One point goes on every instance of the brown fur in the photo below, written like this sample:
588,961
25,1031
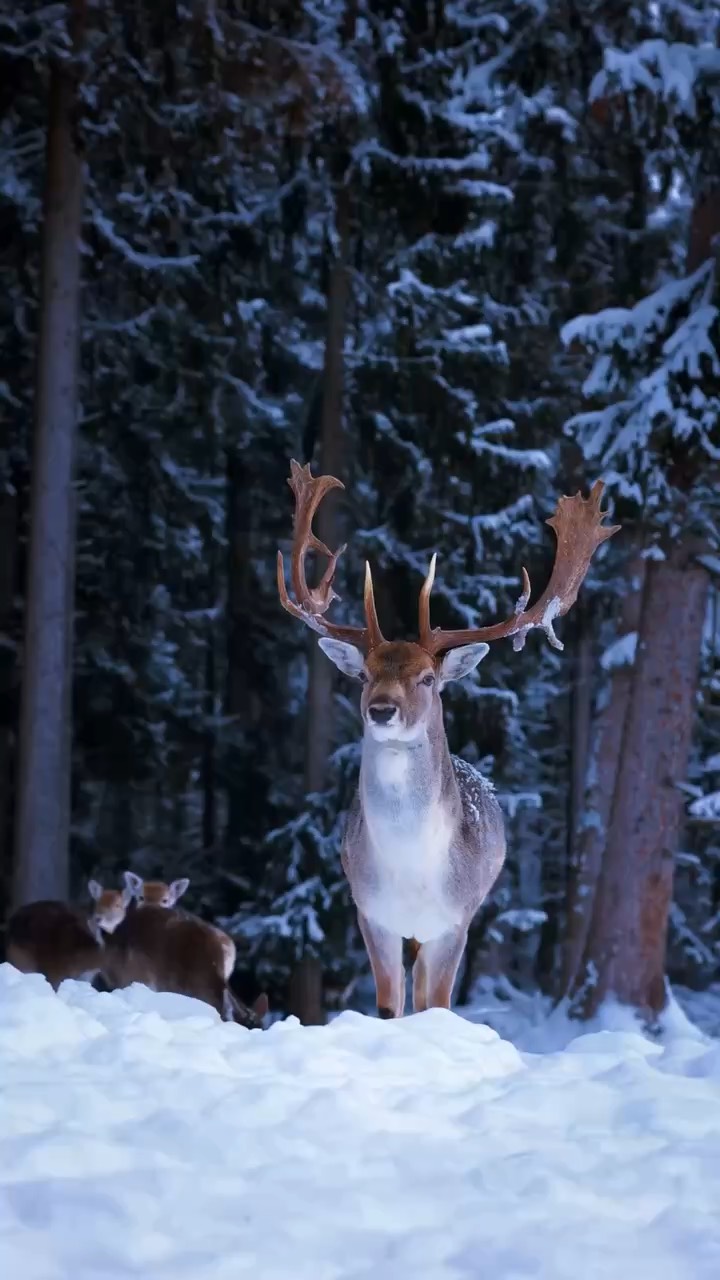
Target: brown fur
154,893
170,950
53,939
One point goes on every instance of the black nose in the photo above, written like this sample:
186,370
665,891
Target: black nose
382,713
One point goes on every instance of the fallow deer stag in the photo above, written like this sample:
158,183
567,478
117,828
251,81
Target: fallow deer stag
425,837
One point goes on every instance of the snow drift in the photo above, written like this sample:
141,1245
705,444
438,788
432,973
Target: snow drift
142,1137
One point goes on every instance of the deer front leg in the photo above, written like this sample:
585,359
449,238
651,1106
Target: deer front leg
419,976
436,968
385,954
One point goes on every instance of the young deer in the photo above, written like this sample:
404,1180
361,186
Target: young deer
155,893
61,941
170,950
425,837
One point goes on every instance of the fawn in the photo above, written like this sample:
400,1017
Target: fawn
168,949
61,941
155,893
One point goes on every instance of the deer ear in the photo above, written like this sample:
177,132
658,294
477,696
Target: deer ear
346,657
178,888
460,662
133,883
94,889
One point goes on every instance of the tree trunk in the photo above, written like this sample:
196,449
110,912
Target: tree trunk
625,952
8,677
305,993
330,461
306,980
591,813
43,816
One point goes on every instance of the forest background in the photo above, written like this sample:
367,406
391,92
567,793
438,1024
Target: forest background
462,255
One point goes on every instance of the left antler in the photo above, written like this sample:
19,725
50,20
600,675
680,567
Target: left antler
577,523
311,603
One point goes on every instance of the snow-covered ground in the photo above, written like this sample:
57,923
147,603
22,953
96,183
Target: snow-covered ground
142,1138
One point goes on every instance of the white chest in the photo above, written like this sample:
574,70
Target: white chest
411,862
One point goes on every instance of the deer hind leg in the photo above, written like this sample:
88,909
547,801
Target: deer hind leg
385,955
438,963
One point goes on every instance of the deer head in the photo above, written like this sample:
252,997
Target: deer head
110,907
403,679
154,893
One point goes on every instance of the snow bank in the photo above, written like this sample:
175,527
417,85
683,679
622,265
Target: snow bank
141,1137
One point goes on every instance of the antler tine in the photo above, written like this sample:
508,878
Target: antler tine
311,603
577,524
424,629
375,635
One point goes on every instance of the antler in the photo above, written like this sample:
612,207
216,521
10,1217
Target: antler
312,603
577,523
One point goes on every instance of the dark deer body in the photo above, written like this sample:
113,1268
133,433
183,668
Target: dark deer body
156,893
171,950
61,941
425,840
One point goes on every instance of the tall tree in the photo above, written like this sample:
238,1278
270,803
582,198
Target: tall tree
43,811
657,366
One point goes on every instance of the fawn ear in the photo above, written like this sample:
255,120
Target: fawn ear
346,657
460,662
94,889
177,889
133,883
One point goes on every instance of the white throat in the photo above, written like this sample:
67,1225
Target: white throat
392,766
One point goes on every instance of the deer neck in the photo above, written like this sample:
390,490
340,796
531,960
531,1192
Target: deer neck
406,781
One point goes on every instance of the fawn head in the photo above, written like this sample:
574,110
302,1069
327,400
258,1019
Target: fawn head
110,907
403,679
154,893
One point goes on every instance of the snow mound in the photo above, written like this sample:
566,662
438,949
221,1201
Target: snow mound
140,1137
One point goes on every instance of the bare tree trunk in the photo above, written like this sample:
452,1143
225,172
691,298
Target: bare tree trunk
305,993
208,767
625,952
591,819
43,817
8,553
330,461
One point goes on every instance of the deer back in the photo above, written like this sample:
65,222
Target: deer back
169,949
54,939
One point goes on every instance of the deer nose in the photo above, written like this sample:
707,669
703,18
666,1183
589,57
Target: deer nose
382,712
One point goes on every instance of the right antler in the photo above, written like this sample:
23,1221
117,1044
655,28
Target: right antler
578,527
311,603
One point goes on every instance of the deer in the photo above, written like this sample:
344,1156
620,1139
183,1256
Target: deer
168,949
61,941
156,893
424,839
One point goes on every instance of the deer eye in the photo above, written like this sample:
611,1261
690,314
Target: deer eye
363,677
428,679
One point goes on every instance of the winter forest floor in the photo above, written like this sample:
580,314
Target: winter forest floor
142,1137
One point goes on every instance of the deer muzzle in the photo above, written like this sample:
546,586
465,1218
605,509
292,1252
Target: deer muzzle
383,713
